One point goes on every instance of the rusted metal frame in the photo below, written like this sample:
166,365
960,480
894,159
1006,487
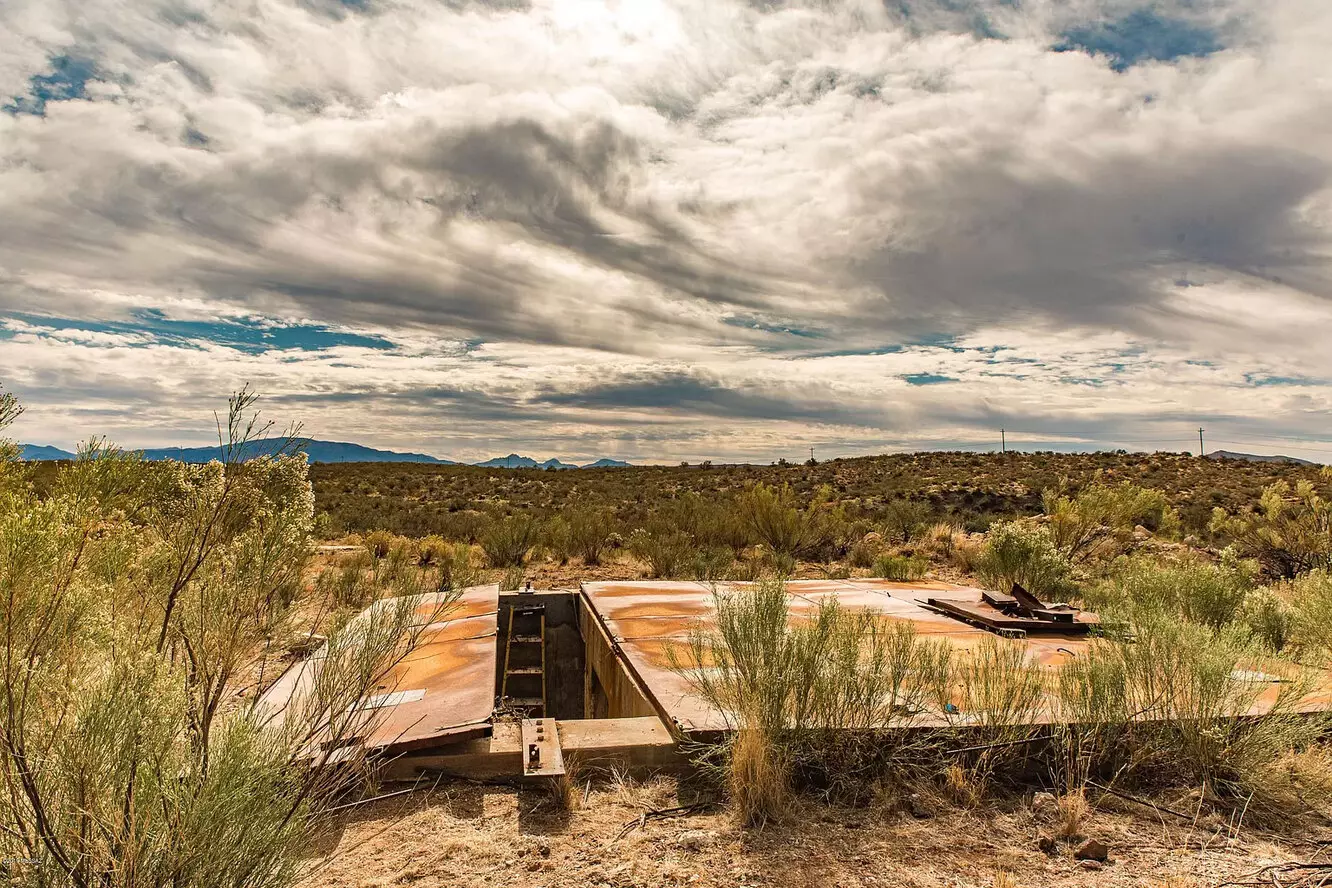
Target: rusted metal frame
598,621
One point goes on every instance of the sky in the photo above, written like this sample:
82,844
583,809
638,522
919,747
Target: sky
666,230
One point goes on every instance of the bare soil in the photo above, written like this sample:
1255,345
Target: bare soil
464,835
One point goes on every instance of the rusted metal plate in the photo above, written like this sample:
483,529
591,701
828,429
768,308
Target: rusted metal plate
542,754
647,621
444,690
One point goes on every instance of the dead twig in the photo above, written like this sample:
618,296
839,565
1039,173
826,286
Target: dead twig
1311,875
1141,801
658,814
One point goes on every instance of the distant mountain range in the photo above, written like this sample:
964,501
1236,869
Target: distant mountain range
325,452
1227,454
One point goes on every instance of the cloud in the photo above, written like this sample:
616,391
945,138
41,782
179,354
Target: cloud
570,221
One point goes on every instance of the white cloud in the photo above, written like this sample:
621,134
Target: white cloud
621,205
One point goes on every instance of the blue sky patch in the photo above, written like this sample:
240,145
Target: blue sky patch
1142,35
926,378
1261,379
250,335
68,80
753,323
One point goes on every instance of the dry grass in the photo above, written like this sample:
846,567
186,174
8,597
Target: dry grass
1071,813
467,836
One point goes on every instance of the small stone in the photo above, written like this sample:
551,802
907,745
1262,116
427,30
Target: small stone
1047,845
1092,849
1092,865
920,807
1044,803
695,840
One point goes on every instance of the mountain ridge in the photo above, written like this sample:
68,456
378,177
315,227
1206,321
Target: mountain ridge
325,452
1252,457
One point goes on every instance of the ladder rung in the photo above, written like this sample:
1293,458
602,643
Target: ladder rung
526,639
526,670
522,609
525,702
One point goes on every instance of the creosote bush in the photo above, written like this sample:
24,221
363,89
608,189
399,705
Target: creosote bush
1017,552
135,594
1290,531
1101,518
903,568
1211,594
776,521
507,541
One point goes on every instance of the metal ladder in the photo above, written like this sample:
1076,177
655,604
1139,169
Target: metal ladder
529,638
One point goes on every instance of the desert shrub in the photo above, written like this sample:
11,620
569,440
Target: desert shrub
791,691
1100,519
512,578
1209,594
902,568
581,532
1270,619
864,551
402,557
378,543
345,583
902,518
1289,533
1016,552
430,549
709,521
1311,602
775,520
506,541
711,563
135,594
454,568
1164,706
941,540
665,549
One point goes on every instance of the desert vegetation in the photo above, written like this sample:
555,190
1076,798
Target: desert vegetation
139,600
147,604
1198,677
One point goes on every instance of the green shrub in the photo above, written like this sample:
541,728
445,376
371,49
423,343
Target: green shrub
863,552
1289,533
378,543
136,598
506,541
711,563
902,518
1100,520
1164,704
665,550
1272,620
1016,552
1211,595
791,692
454,568
512,578
776,521
1311,601
902,568
430,549
345,583
584,533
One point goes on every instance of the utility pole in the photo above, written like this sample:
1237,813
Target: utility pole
1003,440
1201,452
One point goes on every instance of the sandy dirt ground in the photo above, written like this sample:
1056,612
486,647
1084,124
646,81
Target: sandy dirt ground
465,835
